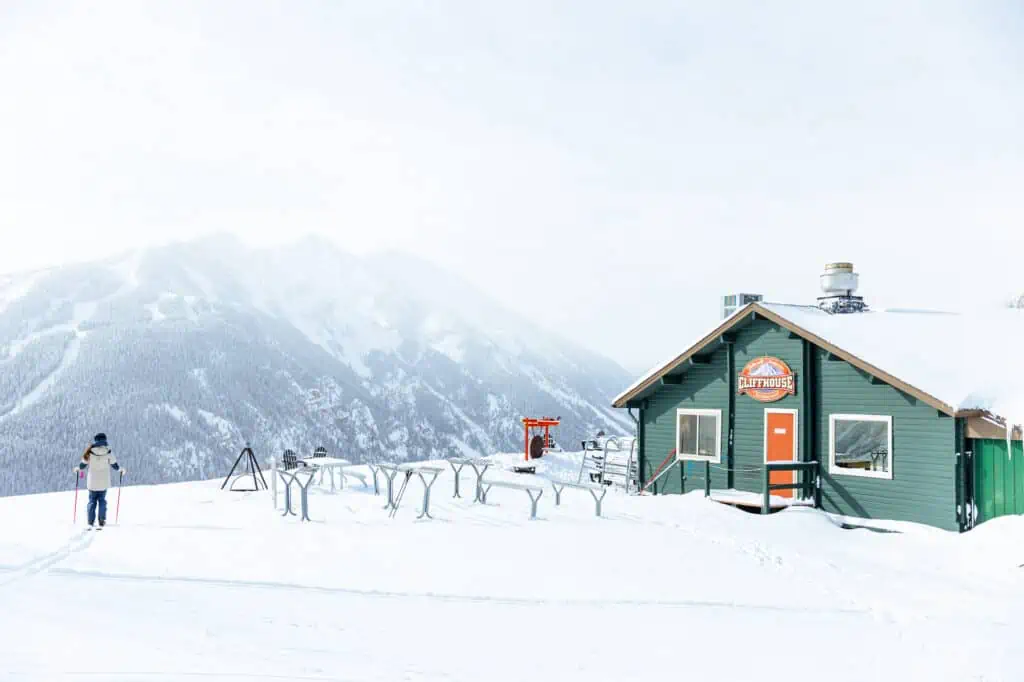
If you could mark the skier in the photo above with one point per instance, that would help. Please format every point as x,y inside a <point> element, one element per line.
<point>99,461</point>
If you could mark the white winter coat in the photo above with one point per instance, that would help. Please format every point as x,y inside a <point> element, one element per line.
<point>100,462</point>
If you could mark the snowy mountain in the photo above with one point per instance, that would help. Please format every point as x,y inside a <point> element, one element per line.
<point>183,354</point>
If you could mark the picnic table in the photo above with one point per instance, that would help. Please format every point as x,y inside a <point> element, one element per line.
<point>479,466</point>
<point>409,469</point>
<point>328,465</point>
<point>290,477</point>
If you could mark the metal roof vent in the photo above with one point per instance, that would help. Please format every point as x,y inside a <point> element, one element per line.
<point>839,284</point>
<point>733,302</point>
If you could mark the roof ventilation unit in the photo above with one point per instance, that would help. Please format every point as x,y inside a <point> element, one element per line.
<point>839,284</point>
<point>733,302</point>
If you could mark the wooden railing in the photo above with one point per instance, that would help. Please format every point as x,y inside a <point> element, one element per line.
<point>808,483</point>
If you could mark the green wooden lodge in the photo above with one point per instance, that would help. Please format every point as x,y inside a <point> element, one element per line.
<point>868,412</point>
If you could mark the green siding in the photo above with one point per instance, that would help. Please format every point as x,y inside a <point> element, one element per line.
<point>703,387</point>
<point>923,487</point>
<point>753,341</point>
<point>707,387</point>
<point>998,479</point>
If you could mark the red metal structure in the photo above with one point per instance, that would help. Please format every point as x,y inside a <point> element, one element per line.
<point>543,423</point>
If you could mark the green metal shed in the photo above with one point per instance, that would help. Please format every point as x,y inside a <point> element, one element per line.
<point>998,478</point>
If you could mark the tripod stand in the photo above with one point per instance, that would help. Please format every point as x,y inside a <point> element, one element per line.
<point>251,466</point>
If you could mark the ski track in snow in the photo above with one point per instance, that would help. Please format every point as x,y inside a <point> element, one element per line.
<point>76,543</point>
<point>459,598</point>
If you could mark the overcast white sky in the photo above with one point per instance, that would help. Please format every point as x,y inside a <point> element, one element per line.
<point>618,165</point>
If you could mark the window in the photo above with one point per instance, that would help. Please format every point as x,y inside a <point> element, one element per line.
<point>860,445</point>
<point>699,435</point>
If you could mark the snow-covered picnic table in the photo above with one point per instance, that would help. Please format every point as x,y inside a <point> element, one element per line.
<point>290,477</point>
<point>328,465</point>
<point>479,466</point>
<point>410,469</point>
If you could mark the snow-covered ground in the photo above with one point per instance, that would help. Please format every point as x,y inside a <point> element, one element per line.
<point>195,583</point>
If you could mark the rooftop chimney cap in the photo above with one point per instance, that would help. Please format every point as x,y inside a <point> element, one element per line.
<point>839,279</point>
<point>839,284</point>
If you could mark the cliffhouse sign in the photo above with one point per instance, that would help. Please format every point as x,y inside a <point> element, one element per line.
<point>766,379</point>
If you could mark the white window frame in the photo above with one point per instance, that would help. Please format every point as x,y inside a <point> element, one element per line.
<point>717,414</point>
<point>833,468</point>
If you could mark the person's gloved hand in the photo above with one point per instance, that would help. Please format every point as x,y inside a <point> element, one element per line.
<point>123,471</point>
<point>75,470</point>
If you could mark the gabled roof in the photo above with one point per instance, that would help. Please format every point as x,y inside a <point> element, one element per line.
<point>959,364</point>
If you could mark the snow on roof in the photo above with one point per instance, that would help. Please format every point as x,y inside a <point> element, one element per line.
<point>958,358</point>
<point>661,366</point>
<point>963,360</point>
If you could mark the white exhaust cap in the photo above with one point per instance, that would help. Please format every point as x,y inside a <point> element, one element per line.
<point>839,280</point>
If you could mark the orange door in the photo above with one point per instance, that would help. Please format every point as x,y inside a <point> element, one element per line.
<point>780,446</point>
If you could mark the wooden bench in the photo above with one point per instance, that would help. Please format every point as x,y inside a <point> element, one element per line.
<point>592,488</point>
<point>534,491</point>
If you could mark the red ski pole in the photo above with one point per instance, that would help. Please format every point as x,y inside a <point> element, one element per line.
<point>74,515</point>
<point>117,511</point>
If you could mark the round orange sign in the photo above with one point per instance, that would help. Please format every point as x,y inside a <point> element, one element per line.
<point>766,379</point>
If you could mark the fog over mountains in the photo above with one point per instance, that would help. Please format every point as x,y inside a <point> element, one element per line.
<point>184,353</point>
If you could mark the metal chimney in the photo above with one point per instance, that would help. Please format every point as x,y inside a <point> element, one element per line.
<point>839,284</point>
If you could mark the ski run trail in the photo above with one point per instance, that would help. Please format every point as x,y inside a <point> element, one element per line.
<point>196,583</point>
